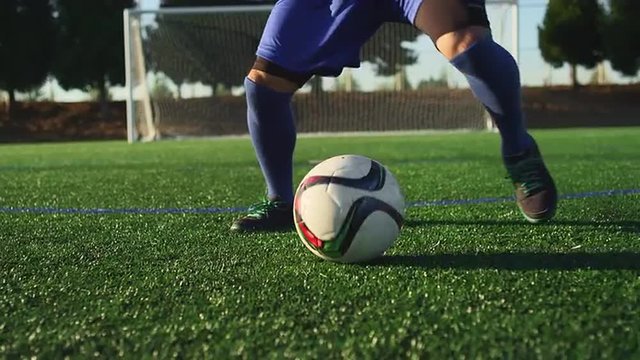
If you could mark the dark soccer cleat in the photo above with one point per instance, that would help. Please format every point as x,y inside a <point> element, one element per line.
<point>268,215</point>
<point>535,191</point>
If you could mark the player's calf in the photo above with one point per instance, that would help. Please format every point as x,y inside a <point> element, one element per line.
<point>273,134</point>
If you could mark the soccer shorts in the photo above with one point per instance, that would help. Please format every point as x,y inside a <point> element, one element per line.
<point>321,37</point>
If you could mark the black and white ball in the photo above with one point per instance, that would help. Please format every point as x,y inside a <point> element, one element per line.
<point>348,208</point>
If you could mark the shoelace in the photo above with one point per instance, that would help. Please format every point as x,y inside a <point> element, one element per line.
<point>262,208</point>
<point>528,174</point>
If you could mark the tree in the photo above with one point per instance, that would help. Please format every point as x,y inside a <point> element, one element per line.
<point>90,45</point>
<point>571,33</point>
<point>385,50</point>
<point>347,83</point>
<point>622,36</point>
<point>160,89</point>
<point>26,37</point>
<point>442,81</point>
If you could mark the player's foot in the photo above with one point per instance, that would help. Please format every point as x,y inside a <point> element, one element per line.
<point>535,191</point>
<point>268,215</point>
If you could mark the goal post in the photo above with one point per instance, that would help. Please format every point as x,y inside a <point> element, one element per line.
<point>185,67</point>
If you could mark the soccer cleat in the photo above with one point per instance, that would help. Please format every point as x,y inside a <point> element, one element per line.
<point>535,191</point>
<point>267,215</point>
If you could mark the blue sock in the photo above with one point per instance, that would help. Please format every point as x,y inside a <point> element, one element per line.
<point>494,79</point>
<point>273,134</point>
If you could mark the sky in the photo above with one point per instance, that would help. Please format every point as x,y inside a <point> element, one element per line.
<point>534,71</point>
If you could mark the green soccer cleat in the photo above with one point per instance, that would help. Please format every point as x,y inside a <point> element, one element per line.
<point>268,215</point>
<point>535,191</point>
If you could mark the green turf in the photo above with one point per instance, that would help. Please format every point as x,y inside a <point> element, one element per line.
<point>468,281</point>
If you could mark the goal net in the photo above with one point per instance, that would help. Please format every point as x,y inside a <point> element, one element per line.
<point>185,68</point>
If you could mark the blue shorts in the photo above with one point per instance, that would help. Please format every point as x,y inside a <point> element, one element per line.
<point>324,36</point>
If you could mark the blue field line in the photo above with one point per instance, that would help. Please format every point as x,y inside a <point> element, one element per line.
<point>132,211</point>
<point>227,210</point>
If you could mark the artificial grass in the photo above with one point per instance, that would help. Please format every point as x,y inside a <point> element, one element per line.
<point>471,281</point>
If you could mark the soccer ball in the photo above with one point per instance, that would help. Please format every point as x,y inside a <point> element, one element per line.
<point>348,209</point>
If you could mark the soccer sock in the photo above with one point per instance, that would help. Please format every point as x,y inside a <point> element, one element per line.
<point>494,80</point>
<point>273,135</point>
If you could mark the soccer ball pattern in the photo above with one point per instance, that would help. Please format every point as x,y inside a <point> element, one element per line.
<point>348,208</point>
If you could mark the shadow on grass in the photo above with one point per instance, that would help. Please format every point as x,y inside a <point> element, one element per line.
<point>522,260</point>
<point>517,261</point>
<point>629,226</point>
<point>625,224</point>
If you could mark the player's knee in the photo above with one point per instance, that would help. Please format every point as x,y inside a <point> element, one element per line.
<point>456,42</point>
<point>271,75</point>
<point>271,81</point>
<point>453,25</point>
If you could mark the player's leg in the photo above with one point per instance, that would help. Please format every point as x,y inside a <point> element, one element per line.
<point>460,30</point>
<point>269,88</point>
<point>301,38</point>
<point>272,130</point>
